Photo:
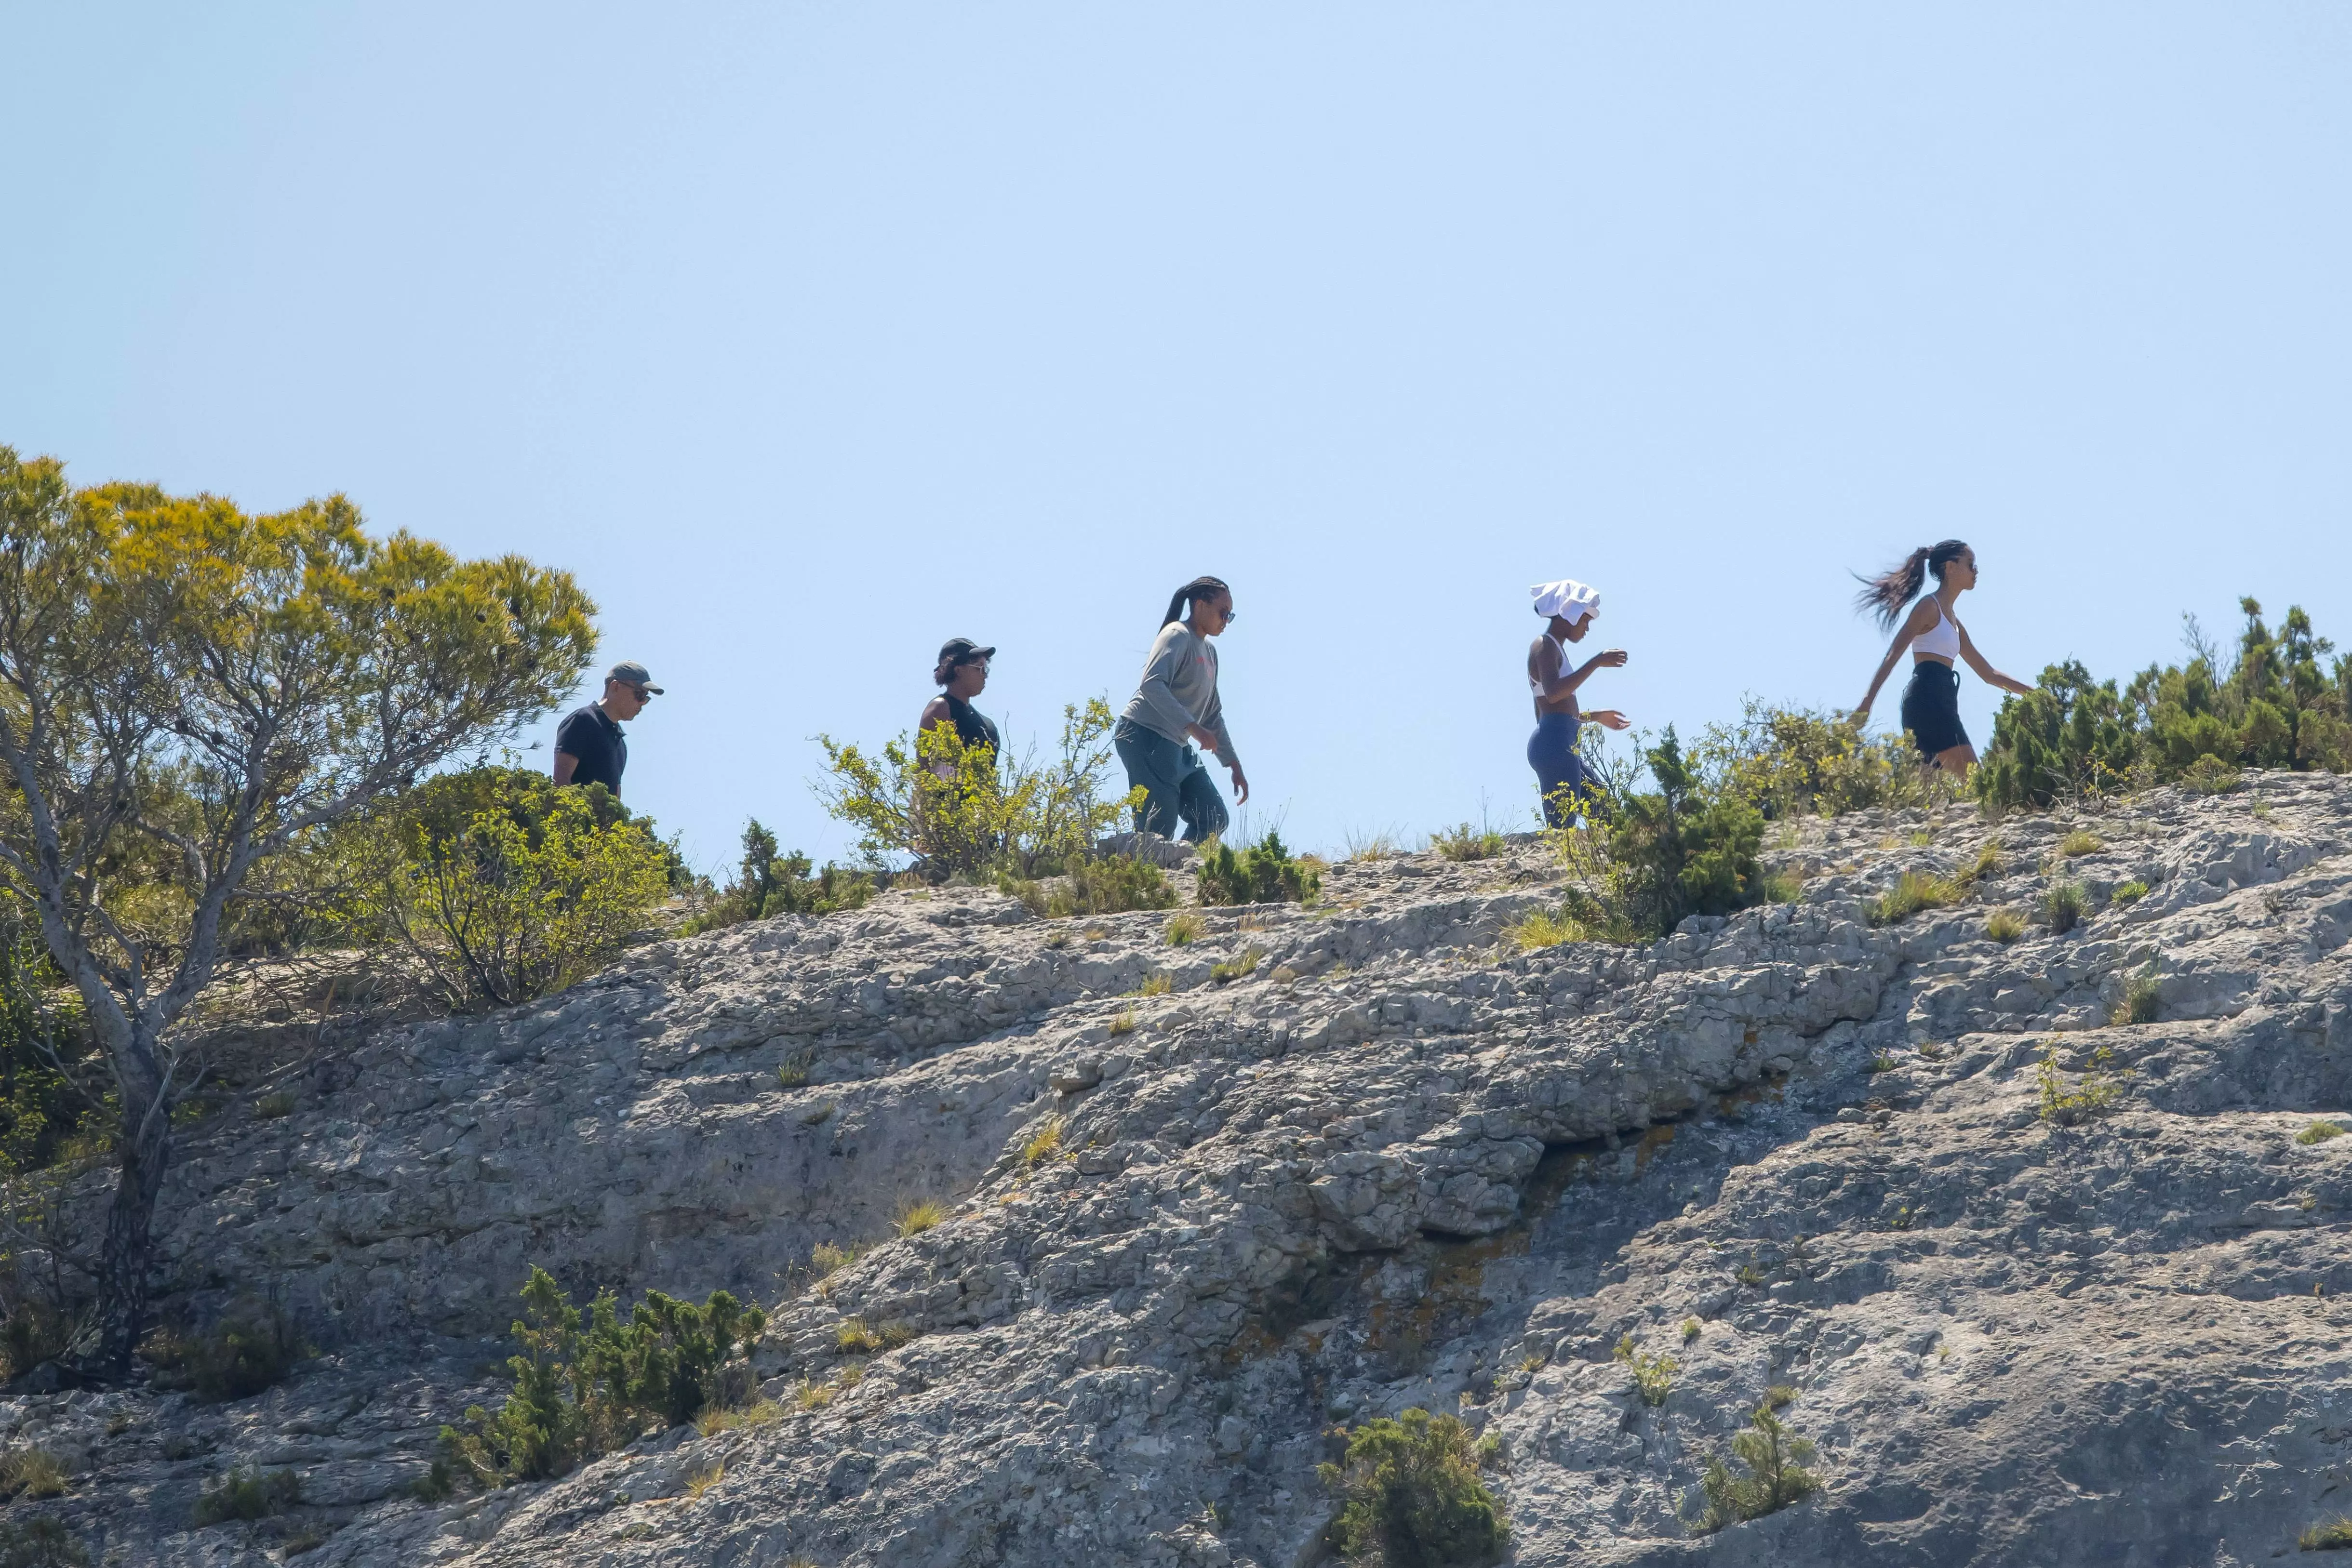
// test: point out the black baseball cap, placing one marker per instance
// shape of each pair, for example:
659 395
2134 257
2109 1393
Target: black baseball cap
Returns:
964 651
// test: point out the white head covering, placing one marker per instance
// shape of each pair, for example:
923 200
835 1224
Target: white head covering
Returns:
1568 599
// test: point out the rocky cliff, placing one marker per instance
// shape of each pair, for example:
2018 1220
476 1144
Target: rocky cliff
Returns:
1393 1164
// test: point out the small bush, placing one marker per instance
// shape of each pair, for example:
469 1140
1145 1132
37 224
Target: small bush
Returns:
1779 888
2064 906
582 1391
1122 1022
2332 1535
1111 886
31 1472
2081 841
703 1479
1790 764
914 1218
812 1395
1884 1062
2005 926
854 1336
760 1413
1263 873
1044 1143
40 1543
1545 928
1985 867
1777 1477
2098 1090
1653 1371
768 883
1365 848
2209 775
1654 858
2129 892
254 1346
1464 843
2143 1001
2318 1132
1914 892
1691 1330
1156 985
1184 929
826 1259
507 888
1240 966
1409 1494
247 1494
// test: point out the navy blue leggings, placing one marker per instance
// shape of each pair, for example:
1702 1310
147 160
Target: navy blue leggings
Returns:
1551 752
1175 783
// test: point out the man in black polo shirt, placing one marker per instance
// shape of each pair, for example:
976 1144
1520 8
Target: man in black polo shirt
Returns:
589 747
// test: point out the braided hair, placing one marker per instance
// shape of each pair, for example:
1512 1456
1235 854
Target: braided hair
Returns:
1199 588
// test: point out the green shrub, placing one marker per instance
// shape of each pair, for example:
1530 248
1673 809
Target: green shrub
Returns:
959 810
1183 929
768 883
1464 843
2209 775
247 1494
2330 1535
919 1215
581 1392
1653 1371
1409 1494
2143 1001
1914 892
2063 907
40 1543
2318 1132
1263 873
2081 841
1545 928
254 1346
2098 1088
1240 966
1777 1477
2005 926
1790 763
1111 886
2129 892
1653 858
507 887
31 1472
42 1110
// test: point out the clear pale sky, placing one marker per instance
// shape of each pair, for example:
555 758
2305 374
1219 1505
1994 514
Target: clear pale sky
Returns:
809 337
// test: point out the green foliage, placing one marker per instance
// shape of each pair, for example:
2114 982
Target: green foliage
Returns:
2098 1088
31 1472
2276 701
959 810
1112 884
580 1391
1545 928
2081 841
2005 926
254 1346
1464 843
1791 762
2129 892
1654 858
919 1215
507 887
1183 929
1240 966
40 1542
1265 872
1914 892
2143 1000
1775 1459
769 884
1410 1496
42 1048
1653 1371
2328 1535
2318 1132
248 1494
2064 906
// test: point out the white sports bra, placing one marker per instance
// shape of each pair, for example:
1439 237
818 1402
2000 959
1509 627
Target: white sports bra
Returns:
1942 638
1534 682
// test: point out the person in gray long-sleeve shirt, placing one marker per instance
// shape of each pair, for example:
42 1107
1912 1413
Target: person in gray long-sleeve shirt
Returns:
1174 708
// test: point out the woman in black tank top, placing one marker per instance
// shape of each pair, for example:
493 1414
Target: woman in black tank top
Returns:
962 672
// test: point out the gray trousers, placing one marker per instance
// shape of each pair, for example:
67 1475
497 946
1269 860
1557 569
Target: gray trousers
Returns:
1176 787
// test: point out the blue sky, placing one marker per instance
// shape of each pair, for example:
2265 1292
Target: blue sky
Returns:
808 337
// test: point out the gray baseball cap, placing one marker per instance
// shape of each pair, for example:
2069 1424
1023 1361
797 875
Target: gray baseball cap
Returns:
629 673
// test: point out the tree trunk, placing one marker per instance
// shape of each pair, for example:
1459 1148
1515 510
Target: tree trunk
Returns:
124 1265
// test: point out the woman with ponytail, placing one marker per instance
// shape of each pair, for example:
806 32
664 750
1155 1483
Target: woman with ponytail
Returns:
1931 703
1175 708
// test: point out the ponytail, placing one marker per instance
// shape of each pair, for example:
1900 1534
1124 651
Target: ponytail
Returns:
1199 588
1884 595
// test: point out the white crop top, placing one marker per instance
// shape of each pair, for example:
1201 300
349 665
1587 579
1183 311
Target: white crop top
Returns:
1534 682
1942 638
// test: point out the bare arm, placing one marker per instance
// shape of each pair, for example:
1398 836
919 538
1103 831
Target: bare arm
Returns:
565 763
1918 621
1563 680
1990 675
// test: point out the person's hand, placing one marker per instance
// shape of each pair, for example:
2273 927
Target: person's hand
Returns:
1202 736
1608 659
1609 719
1240 785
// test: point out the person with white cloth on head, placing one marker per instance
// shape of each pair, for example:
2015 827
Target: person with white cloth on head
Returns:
1571 607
